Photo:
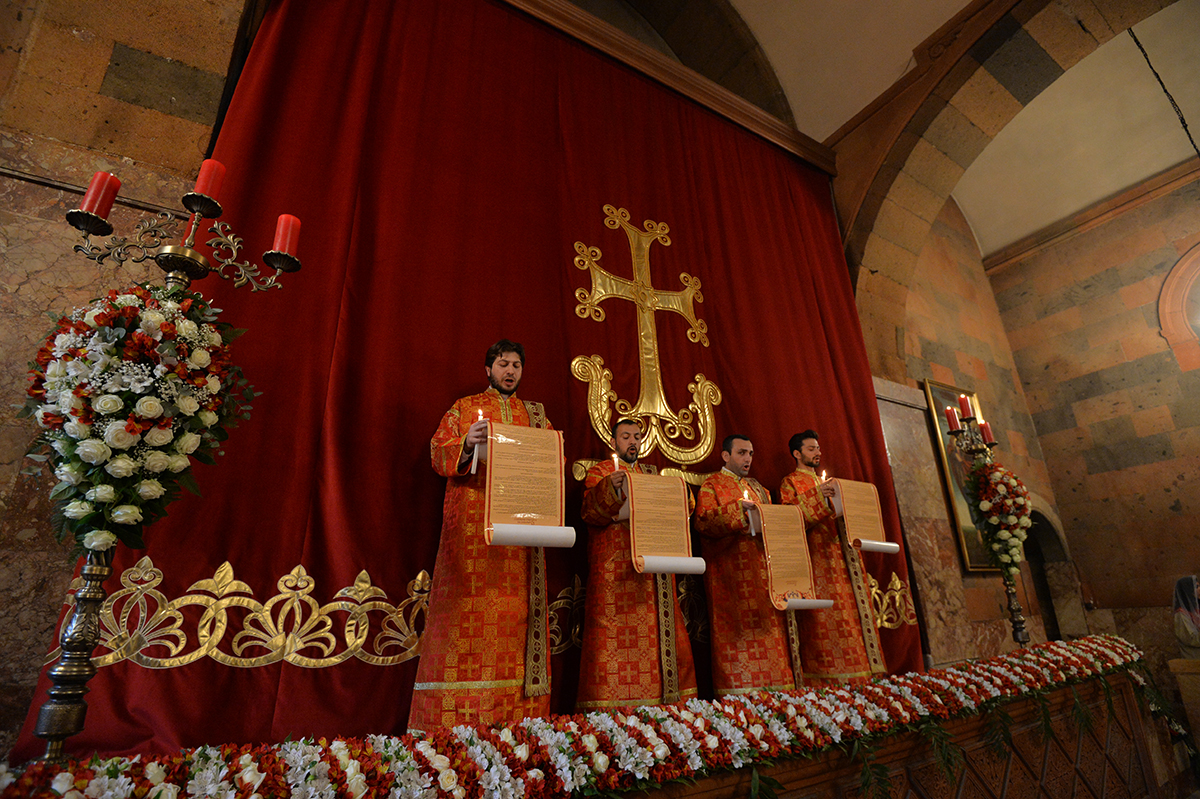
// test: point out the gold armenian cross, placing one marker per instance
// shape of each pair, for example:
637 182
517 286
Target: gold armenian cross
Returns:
661 425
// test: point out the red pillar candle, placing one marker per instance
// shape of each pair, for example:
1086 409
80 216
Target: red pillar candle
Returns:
985 429
964 405
100 194
212 175
287 234
952 419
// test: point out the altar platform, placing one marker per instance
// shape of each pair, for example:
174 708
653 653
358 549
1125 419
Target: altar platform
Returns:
1075 719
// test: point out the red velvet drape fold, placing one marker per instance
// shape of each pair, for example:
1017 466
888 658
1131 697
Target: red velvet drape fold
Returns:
444 158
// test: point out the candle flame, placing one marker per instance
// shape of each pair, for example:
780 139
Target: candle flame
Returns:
481 414
745 493
823 473
614 457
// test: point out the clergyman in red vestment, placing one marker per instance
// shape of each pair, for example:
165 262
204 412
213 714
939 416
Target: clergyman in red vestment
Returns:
635 645
837 644
751 641
483 653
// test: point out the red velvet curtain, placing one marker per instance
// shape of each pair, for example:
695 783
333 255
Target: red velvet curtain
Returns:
444 158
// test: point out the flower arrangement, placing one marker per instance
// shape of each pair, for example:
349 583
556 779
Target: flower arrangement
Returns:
599 752
1001 501
128 391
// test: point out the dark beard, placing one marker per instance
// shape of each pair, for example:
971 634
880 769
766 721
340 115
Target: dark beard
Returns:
503 393
630 459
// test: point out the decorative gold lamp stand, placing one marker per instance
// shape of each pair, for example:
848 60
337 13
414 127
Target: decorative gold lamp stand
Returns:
970 439
63 713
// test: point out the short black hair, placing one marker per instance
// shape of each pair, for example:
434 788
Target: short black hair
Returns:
797 441
727 444
613 430
499 348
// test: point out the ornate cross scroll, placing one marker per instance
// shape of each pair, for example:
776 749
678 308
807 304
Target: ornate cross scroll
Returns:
661 424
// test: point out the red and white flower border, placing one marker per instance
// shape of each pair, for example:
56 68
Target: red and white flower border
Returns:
1001 501
554 757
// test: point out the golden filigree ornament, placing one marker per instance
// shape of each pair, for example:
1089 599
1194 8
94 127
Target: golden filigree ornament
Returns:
663 427
893 607
140 624
570 602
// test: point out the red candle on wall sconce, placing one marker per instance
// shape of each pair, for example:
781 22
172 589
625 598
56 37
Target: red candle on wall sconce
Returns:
985 429
287 234
212 175
964 404
101 193
952 419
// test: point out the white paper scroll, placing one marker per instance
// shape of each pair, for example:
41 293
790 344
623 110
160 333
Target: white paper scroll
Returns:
657 564
808 604
789 567
525 493
530 535
857 505
659 532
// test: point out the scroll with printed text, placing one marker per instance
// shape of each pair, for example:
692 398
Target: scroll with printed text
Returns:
526 493
789 567
659 533
857 505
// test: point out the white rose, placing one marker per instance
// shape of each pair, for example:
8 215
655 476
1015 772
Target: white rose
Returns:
1004 535
69 473
997 547
535 774
178 463
156 461
73 794
56 369
102 493
107 403
89 318
92 451
186 328
187 405
439 762
212 336
117 437
68 402
148 408
590 742
77 509
121 466
601 762
208 418
187 443
251 776
199 359
661 752
213 384
1000 489
1019 501
521 751
158 436
150 489
985 506
60 446
99 540
151 323
1005 559
447 780
357 785
507 736
155 773
993 520
62 782
127 514
62 341
1025 522
711 741
1016 557
1010 520
77 430
124 300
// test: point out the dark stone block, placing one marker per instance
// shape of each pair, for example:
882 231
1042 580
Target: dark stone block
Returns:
939 353
1186 412
1155 262
1082 387
1054 419
1113 431
162 84
1126 455
994 39
1022 67
1010 298
1137 373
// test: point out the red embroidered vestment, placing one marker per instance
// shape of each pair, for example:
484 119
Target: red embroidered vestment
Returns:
473 651
749 635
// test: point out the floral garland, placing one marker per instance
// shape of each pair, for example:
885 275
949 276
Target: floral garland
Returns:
128 391
1002 502
555 757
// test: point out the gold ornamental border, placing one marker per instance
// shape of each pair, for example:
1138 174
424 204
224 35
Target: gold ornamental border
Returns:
140 624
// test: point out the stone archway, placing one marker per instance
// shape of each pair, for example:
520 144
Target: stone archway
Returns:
1025 51
1173 307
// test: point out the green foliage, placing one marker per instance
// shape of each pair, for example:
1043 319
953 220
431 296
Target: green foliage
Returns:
1079 712
998 731
949 755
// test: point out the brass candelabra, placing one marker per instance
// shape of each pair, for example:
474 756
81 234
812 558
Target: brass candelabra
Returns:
64 712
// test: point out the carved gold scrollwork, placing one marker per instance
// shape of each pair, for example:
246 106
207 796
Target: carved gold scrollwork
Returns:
140 624
894 607
571 600
662 426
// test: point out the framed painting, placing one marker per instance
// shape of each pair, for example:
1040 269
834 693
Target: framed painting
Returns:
955 466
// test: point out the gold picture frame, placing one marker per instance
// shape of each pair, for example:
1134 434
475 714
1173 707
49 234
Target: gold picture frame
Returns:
955 466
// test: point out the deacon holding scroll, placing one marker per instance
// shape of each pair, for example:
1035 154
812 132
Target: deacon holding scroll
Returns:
635 645
483 654
834 642
750 648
